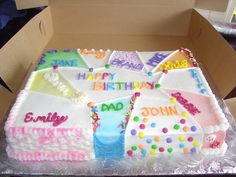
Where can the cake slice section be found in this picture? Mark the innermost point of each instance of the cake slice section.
(45, 127)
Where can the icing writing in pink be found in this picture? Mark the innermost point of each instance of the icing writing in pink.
(189, 106)
(54, 118)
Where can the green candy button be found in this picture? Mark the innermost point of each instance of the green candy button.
(176, 127)
(157, 85)
(134, 148)
(154, 146)
(136, 118)
(169, 150)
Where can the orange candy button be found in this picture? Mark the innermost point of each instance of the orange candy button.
(145, 120)
(186, 150)
(185, 129)
(141, 146)
(157, 138)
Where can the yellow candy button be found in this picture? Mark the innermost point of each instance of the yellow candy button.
(152, 152)
(141, 134)
(196, 143)
(184, 114)
(172, 100)
(181, 138)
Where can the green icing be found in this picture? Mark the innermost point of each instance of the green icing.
(69, 58)
(39, 84)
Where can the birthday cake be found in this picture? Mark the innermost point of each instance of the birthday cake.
(80, 105)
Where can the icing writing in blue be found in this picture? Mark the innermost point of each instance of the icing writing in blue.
(156, 59)
(60, 62)
(115, 107)
(199, 82)
(126, 64)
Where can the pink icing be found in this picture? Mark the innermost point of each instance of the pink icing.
(54, 118)
(189, 106)
(52, 156)
(207, 115)
(220, 136)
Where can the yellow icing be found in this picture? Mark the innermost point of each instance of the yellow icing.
(39, 84)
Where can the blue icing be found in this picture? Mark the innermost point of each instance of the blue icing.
(198, 80)
(114, 149)
(108, 141)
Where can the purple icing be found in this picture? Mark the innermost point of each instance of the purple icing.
(70, 50)
(41, 61)
(156, 59)
(127, 60)
(51, 51)
(43, 56)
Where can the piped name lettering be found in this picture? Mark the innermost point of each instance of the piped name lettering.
(159, 111)
(126, 64)
(189, 106)
(112, 107)
(53, 118)
(59, 62)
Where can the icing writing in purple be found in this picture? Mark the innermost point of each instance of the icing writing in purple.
(50, 117)
(126, 60)
(156, 59)
(189, 106)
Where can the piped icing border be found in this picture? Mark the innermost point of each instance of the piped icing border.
(217, 151)
(47, 156)
(224, 124)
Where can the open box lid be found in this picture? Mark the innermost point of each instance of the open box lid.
(118, 24)
(217, 5)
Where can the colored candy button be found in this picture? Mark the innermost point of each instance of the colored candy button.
(170, 150)
(141, 135)
(107, 66)
(185, 129)
(149, 140)
(144, 151)
(90, 69)
(154, 146)
(161, 149)
(193, 128)
(145, 120)
(141, 146)
(181, 145)
(142, 126)
(164, 130)
(149, 73)
(185, 150)
(157, 86)
(196, 143)
(152, 152)
(182, 121)
(190, 139)
(184, 114)
(181, 138)
(172, 100)
(176, 127)
(134, 148)
(130, 153)
(169, 140)
(133, 132)
(157, 138)
(136, 118)
(153, 125)
(193, 150)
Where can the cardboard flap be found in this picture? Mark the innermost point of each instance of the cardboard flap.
(217, 5)
(231, 104)
(122, 17)
(213, 51)
(19, 52)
